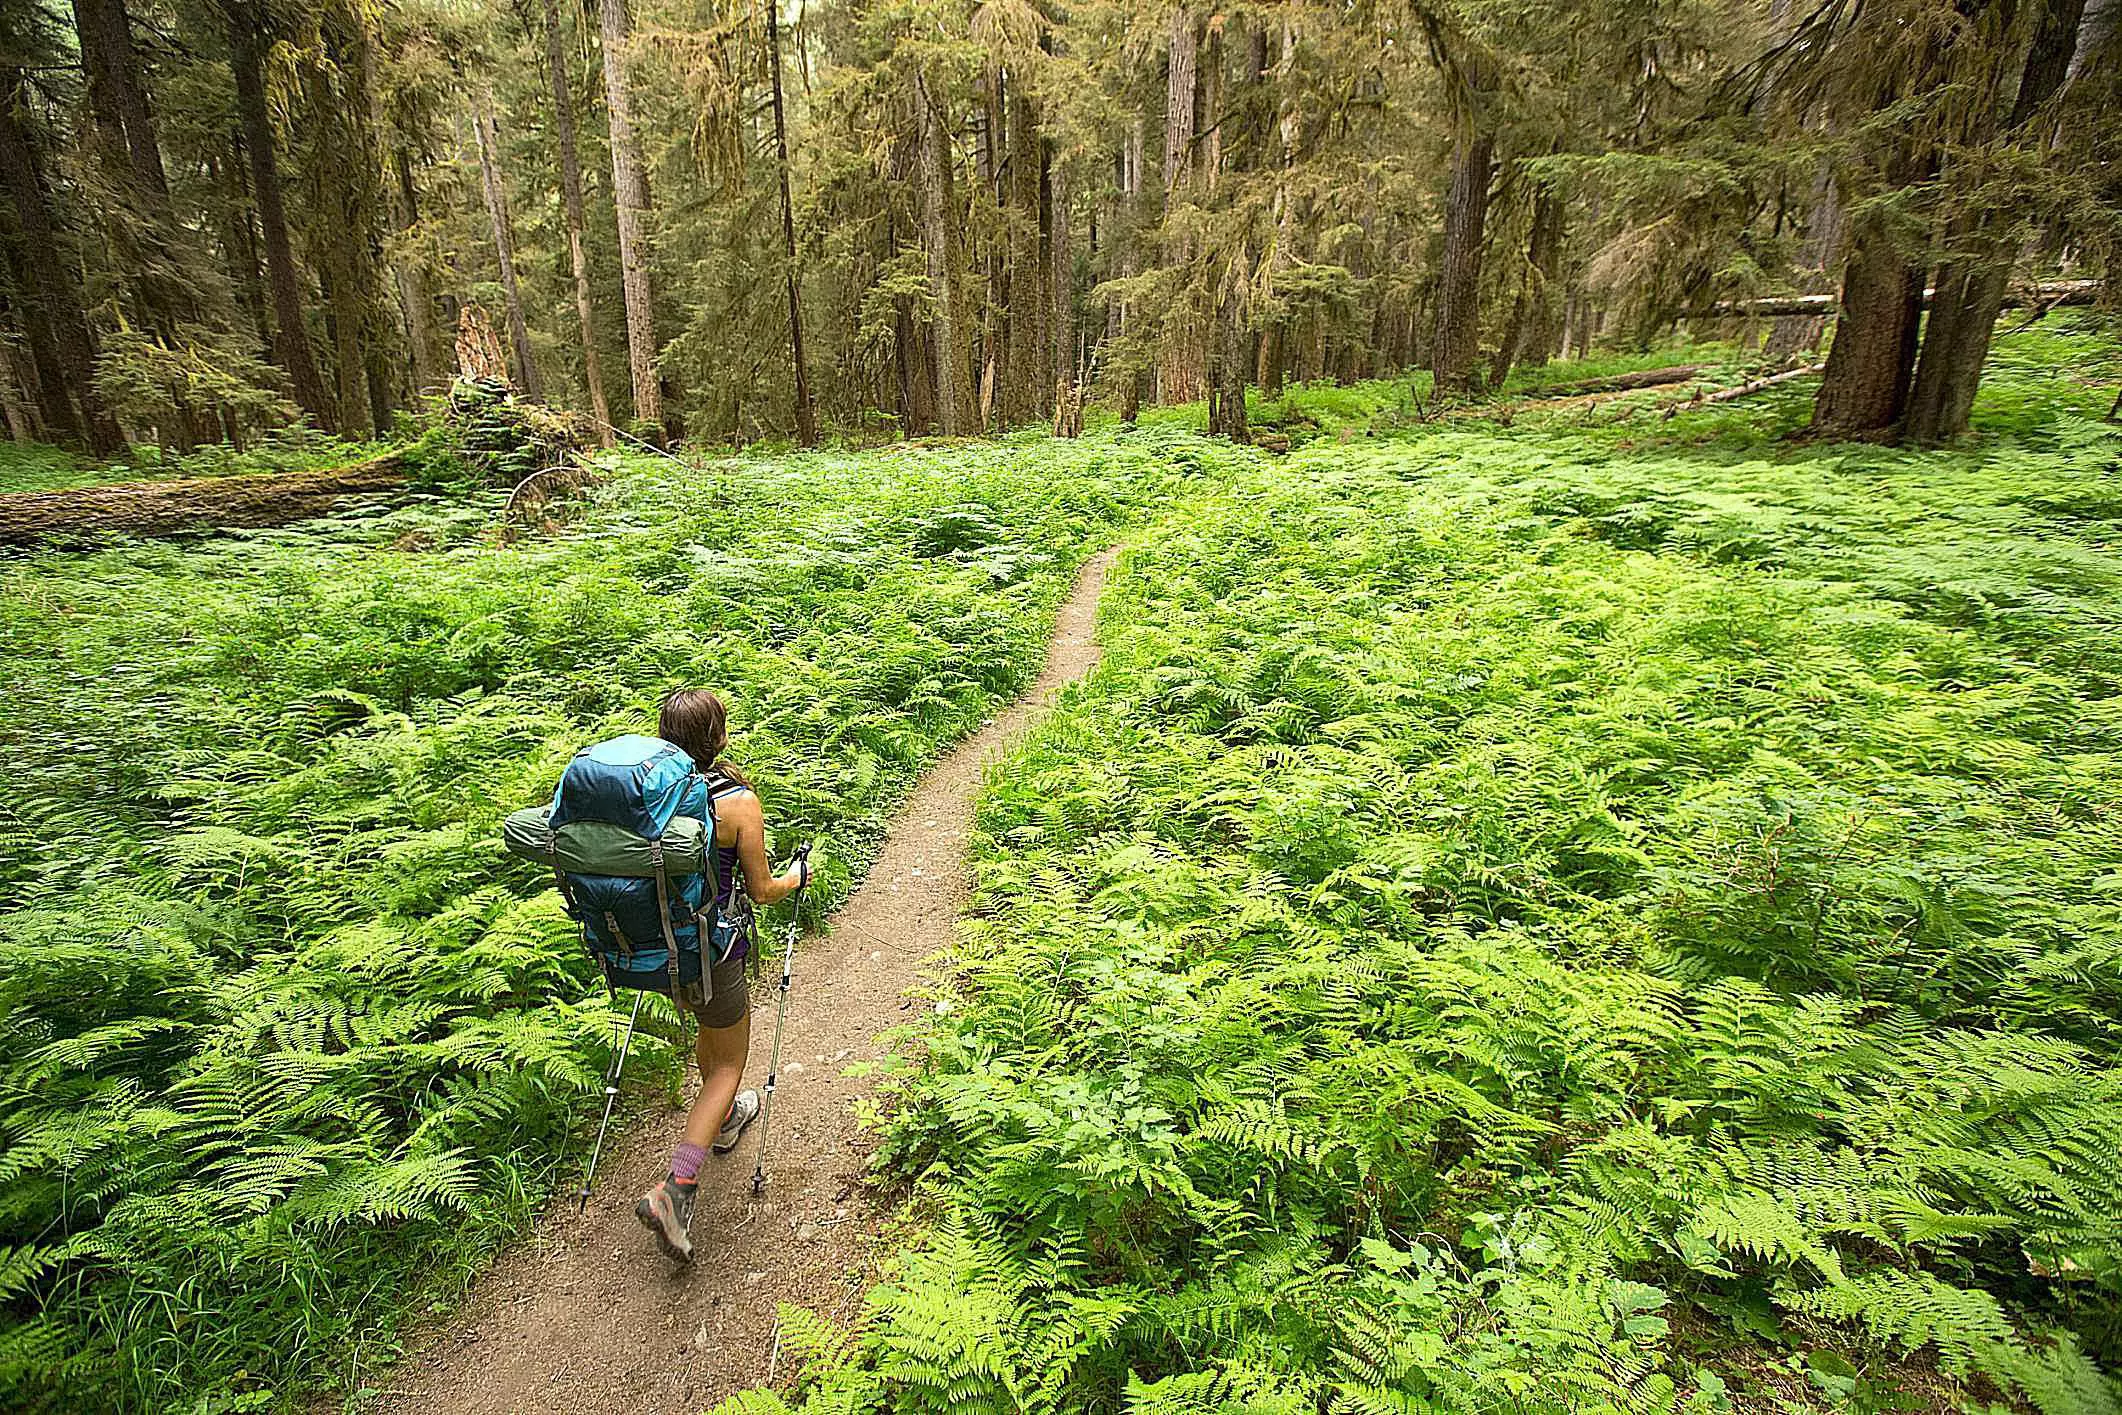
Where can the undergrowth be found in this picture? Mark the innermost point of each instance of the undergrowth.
(1519, 922)
(39, 467)
(289, 1043)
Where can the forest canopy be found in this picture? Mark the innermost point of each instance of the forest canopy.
(742, 221)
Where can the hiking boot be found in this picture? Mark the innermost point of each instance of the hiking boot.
(667, 1212)
(742, 1112)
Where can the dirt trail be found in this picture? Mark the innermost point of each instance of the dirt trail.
(584, 1316)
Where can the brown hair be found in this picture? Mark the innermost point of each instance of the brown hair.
(695, 719)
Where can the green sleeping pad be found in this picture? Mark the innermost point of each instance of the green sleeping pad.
(598, 848)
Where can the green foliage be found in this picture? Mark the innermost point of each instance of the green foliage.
(288, 1039)
(148, 382)
(1513, 920)
(38, 467)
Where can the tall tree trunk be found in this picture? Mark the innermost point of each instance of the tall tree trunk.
(1181, 75)
(159, 268)
(1873, 355)
(572, 209)
(1239, 125)
(13, 406)
(1823, 232)
(36, 360)
(1289, 131)
(291, 335)
(239, 243)
(384, 370)
(1970, 289)
(1543, 322)
(505, 250)
(1060, 280)
(1527, 311)
(1459, 281)
(423, 369)
(55, 315)
(1021, 396)
(1125, 324)
(345, 217)
(630, 196)
(806, 418)
(939, 234)
(117, 96)
(1179, 367)
(1232, 357)
(430, 367)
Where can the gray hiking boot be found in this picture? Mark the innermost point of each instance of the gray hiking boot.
(742, 1112)
(667, 1212)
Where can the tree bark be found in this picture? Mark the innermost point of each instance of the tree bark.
(117, 97)
(1459, 281)
(1180, 374)
(1233, 357)
(283, 279)
(572, 209)
(1134, 203)
(345, 210)
(12, 404)
(1970, 290)
(154, 269)
(1529, 331)
(806, 418)
(55, 317)
(1543, 328)
(239, 243)
(1289, 131)
(505, 250)
(939, 234)
(1060, 279)
(1022, 398)
(1240, 123)
(1873, 355)
(1823, 232)
(34, 357)
(430, 368)
(1180, 77)
(630, 196)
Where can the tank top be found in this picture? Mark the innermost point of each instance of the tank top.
(729, 910)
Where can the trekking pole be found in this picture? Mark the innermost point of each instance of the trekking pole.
(773, 1062)
(611, 1098)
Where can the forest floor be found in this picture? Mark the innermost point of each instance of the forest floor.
(585, 1316)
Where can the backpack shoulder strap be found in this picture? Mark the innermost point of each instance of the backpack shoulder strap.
(720, 784)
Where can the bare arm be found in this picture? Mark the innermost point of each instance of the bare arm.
(760, 881)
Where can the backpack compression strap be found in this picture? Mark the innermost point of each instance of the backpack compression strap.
(567, 897)
(706, 990)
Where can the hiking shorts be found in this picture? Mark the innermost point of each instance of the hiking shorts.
(732, 999)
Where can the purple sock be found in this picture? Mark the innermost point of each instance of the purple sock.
(685, 1163)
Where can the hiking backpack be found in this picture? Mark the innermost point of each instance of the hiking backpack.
(630, 839)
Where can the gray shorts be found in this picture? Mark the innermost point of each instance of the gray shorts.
(732, 999)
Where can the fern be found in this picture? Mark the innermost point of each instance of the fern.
(287, 1034)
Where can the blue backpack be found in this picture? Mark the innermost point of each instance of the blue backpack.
(639, 808)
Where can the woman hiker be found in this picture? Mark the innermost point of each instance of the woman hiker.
(696, 720)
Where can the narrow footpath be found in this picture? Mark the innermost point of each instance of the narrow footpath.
(584, 1316)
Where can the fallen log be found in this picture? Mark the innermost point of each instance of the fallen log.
(160, 508)
(1617, 382)
(2047, 294)
(1727, 395)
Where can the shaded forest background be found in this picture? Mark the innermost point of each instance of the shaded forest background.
(712, 219)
